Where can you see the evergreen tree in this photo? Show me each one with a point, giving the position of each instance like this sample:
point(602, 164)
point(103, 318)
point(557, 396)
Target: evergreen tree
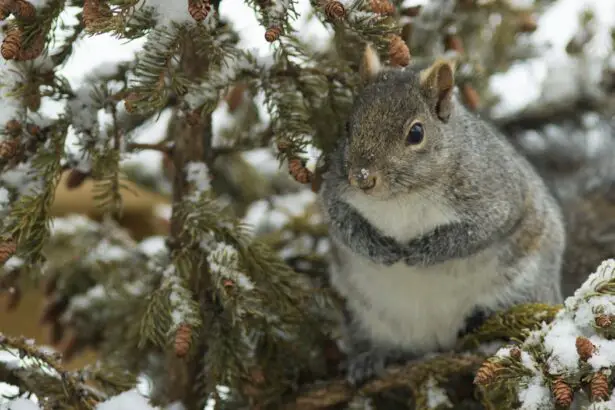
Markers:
point(232, 308)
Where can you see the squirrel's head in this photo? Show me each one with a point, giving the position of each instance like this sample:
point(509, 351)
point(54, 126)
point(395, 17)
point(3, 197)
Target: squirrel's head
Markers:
point(397, 139)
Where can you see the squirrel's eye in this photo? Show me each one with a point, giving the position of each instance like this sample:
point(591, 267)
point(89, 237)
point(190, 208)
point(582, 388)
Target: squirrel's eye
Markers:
point(416, 134)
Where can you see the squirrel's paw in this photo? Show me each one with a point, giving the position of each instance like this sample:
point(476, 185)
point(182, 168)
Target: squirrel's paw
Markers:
point(364, 366)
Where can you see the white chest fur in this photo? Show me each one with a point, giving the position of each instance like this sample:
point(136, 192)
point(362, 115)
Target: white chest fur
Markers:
point(410, 307)
point(403, 217)
point(419, 309)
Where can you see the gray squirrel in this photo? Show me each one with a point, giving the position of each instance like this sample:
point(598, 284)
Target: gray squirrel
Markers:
point(435, 219)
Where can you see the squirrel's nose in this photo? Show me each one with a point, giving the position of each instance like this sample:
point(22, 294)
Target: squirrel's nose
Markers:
point(363, 179)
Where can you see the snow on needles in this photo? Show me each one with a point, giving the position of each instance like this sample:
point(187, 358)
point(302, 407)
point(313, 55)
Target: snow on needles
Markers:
point(560, 336)
point(128, 400)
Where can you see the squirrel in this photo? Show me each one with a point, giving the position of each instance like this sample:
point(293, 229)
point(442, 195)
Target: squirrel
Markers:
point(574, 156)
point(435, 219)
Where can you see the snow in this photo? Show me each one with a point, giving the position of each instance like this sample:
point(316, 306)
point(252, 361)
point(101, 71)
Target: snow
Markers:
point(71, 224)
point(4, 198)
point(198, 175)
point(224, 261)
point(153, 245)
point(128, 400)
point(21, 404)
point(555, 76)
point(436, 395)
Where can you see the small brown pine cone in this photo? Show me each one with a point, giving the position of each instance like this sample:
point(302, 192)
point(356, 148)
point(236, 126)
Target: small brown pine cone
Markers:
point(33, 130)
point(6, 8)
point(11, 43)
point(24, 10)
point(412, 11)
point(334, 10)
point(199, 9)
point(604, 321)
point(73, 346)
point(470, 96)
point(75, 178)
point(515, 353)
point(90, 12)
point(129, 102)
point(599, 387)
point(33, 50)
point(316, 182)
point(299, 171)
point(562, 392)
point(13, 128)
point(487, 373)
point(399, 54)
point(33, 101)
point(272, 34)
point(453, 42)
point(14, 298)
point(7, 249)
point(9, 148)
point(383, 7)
point(283, 144)
point(234, 98)
point(585, 348)
point(183, 339)
point(527, 23)
point(56, 333)
point(53, 310)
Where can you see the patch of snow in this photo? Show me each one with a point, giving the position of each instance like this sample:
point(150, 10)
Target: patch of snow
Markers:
point(153, 245)
point(20, 404)
point(128, 400)
point(436, 396)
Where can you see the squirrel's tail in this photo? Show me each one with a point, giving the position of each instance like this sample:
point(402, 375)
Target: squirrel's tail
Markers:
point(578, 165)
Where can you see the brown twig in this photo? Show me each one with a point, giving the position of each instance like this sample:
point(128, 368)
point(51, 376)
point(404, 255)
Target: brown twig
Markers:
point(339, 391)
point(163, 147)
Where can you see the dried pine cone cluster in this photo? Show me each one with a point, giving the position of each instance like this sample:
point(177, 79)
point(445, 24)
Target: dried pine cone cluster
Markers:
point(183, 338)
point(19, 8)
point(273, 33)
point(94, 11)
point(561, 389)
point(399, 54)
point(334, 10)
point(199, 9)
point(13, 48)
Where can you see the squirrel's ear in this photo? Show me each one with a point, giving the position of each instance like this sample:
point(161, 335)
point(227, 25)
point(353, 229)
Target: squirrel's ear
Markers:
point(370, 65)
point(438, 82)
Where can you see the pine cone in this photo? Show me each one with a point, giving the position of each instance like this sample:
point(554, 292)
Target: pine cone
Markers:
point(334, 10)
point(412, 11)
point(14, 298)
point(585, 348)
point(470, 96)
point(75, 179)
point(12, 128)
point(453, 42)
point(527, 23)
point(283, 144)
point(199, 9)
point(515, 353)
point(398, 51)
point(183, 339)
point(33, 101)
point(599, 387)
point(234, 98)
point(7, 249)
point(94, 11)
point(24, 10)
point(35, 48)
point(9, 148)
point(487, 373)
point(604, 321)
point(56, 333)
point(33, 129)
point(11, 43)
point(299, 171)
point(383, 7)
point(6, 8)
point(562, 392)
point(272, 34)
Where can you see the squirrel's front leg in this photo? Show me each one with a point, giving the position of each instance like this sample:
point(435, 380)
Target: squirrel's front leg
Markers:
point(361, 237)
point(365, 365)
